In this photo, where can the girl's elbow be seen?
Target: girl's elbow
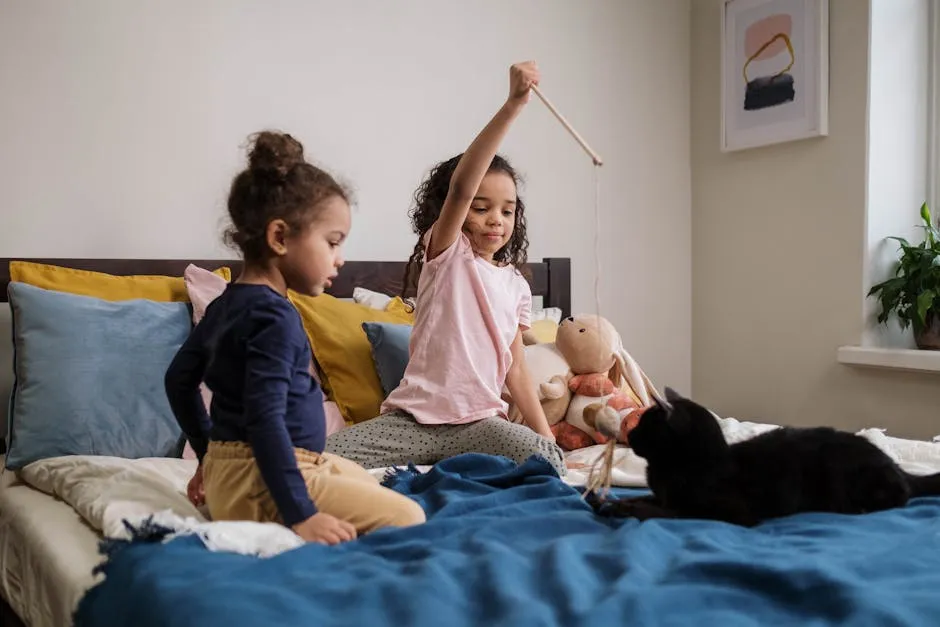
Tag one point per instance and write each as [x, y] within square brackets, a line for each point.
[460, 192]
[171, 382]
[177, 384]
[176, 372]
[513, 377]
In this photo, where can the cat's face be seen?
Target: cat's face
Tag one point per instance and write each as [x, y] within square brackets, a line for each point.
[677, 427]
[651, 437]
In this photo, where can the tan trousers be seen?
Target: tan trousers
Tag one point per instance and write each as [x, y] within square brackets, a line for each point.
[235, 490]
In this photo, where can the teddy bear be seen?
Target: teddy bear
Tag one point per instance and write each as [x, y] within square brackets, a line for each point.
[549, 372]
[602, 376]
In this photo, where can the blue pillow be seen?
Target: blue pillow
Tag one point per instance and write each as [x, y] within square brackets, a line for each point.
[389, 351]
[89, 376]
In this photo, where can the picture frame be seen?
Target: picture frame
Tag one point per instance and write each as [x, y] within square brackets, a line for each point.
[774, 72]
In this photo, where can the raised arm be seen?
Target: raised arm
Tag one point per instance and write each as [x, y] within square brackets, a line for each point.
[477, 159]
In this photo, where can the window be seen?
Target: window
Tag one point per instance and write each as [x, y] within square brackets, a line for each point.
[933, 107]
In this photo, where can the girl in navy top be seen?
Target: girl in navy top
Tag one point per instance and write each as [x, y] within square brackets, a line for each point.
[260, 446]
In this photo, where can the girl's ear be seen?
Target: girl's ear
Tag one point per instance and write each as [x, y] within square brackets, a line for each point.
[276, 237]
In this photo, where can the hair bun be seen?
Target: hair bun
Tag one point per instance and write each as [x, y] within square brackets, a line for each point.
[274, 154]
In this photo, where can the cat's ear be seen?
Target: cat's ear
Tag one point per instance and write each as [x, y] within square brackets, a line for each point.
[661, 402]
[680, 423]
[672, 396]
[700, 424]
[695, 411]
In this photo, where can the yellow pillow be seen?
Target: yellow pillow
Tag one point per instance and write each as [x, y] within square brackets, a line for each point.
[342, 350]
[398, 306]
[101, 285]
[544, 331]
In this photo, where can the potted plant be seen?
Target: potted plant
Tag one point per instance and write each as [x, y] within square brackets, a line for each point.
[913, 294]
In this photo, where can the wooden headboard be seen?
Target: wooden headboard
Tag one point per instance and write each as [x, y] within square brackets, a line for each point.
[550, 278]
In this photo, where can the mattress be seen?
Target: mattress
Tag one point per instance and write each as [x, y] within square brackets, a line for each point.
[47, 554]
[43, 579]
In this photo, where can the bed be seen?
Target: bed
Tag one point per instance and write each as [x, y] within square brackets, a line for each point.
[43, 576]
[505, 544]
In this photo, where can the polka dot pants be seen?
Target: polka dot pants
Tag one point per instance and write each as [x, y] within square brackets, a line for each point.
[395, 439]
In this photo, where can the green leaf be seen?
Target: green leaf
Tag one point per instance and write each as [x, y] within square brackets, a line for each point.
[892, 285]
[924, 303]
[931, 234]
[911, 293]
[929, 230]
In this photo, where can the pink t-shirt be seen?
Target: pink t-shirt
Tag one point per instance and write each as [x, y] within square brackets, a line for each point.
[467, 314]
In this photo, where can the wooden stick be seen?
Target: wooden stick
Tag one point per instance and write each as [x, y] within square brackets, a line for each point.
[596, 157]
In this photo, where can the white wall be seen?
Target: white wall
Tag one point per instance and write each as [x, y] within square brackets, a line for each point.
[778, 269]
[122, 121]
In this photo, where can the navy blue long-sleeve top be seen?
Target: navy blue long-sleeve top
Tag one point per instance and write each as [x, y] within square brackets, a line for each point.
[251, 351]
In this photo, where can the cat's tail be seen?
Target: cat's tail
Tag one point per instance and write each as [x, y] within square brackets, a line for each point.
[924, 485]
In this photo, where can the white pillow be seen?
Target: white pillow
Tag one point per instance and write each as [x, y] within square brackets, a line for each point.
[549, 313]
[375, 300]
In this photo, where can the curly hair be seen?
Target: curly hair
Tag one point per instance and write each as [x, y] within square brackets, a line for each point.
[278, 184]
[429, 200]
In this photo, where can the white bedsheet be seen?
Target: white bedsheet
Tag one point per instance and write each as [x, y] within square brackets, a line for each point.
[47, 553]
[107, 491]
[111, 492]
[914, 456]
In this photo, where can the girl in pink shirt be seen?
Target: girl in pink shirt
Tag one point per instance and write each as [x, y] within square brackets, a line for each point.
[472, 306]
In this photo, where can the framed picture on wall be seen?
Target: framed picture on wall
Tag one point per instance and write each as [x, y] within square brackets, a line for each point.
[774, 72]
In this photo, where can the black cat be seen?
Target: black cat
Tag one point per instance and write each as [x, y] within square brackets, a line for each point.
[694, 473]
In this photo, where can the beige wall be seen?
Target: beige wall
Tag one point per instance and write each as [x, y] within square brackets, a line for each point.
[778, 248]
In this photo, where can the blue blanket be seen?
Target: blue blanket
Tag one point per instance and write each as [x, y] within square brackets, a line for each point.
[513, 545]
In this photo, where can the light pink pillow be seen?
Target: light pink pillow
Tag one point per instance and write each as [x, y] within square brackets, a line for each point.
[203, 287]
[334, 419]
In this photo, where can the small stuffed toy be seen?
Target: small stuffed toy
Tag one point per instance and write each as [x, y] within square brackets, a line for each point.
[550, 374]
[603, 376]
[616, 426]
[613, 424]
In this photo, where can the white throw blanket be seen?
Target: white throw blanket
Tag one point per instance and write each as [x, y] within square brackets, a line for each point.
[107, 491]
[112, 493]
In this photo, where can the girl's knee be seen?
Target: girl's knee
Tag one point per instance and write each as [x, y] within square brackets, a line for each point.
[554, 455]
[407, 513]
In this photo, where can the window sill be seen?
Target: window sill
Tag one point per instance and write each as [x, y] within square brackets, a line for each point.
[910, 360]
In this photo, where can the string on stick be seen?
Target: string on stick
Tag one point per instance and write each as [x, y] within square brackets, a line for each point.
[598, 162]
[577, 137]
[600, 476]
[597, 240]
